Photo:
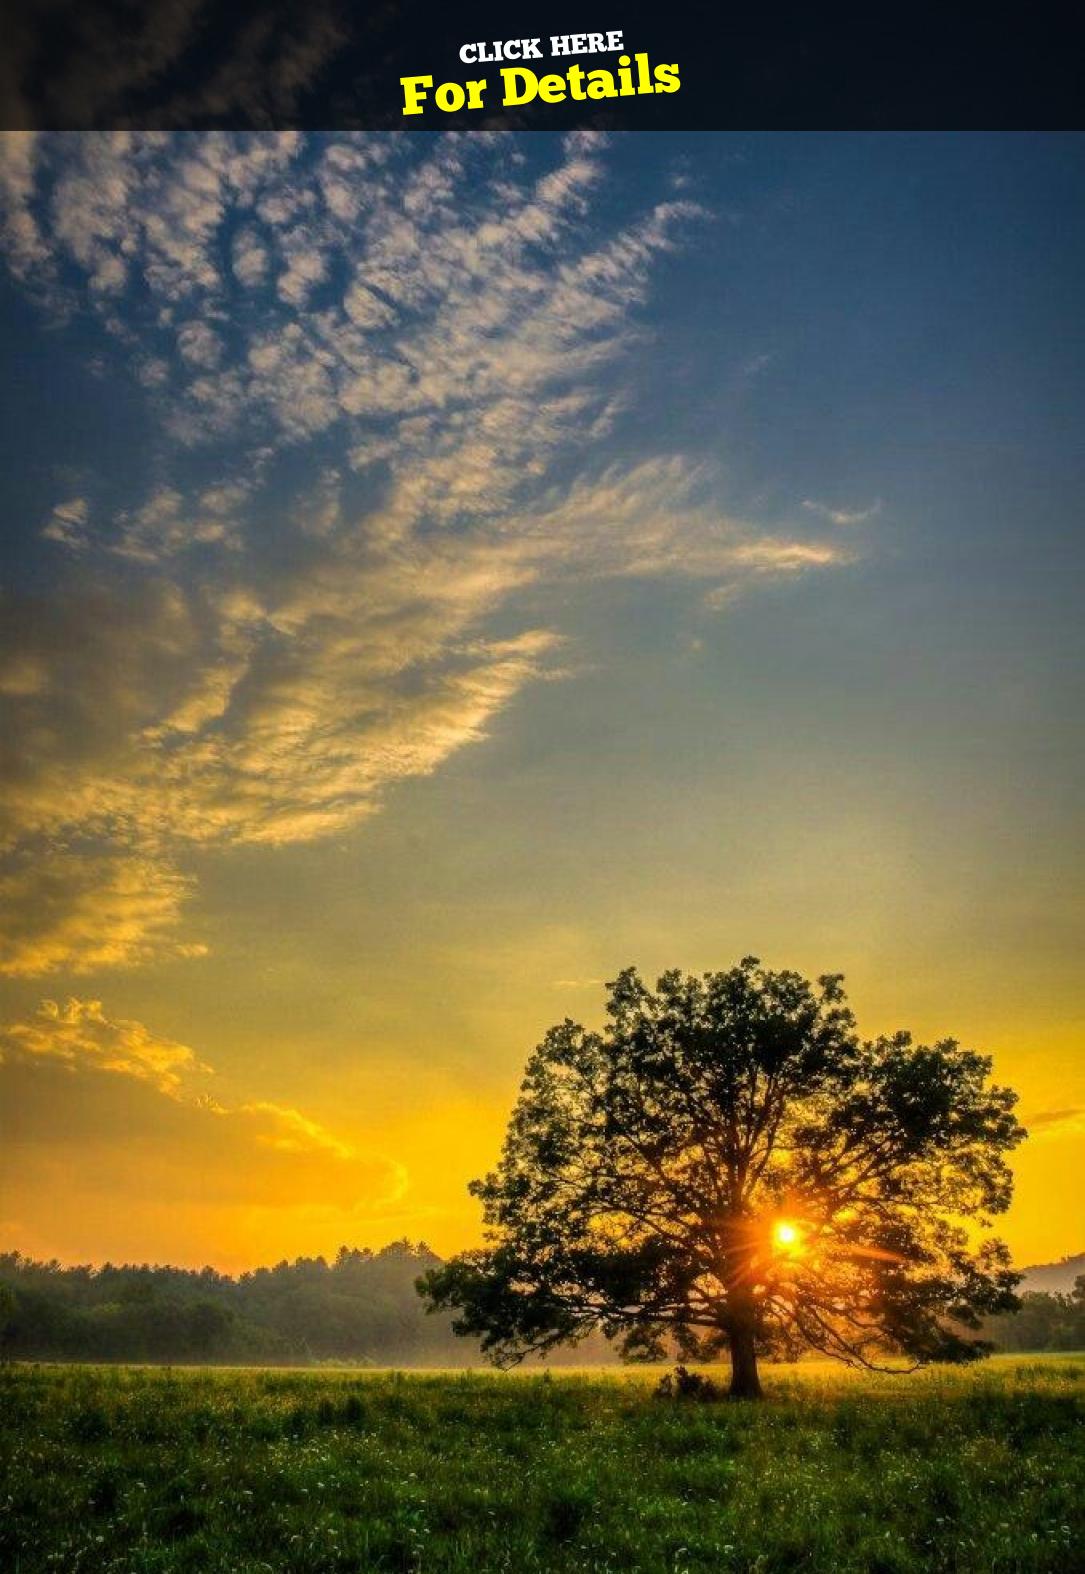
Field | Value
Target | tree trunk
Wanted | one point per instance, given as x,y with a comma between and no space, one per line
745,1383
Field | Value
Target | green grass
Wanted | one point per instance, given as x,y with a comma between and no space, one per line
211,1470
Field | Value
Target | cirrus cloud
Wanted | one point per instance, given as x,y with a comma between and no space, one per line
432,344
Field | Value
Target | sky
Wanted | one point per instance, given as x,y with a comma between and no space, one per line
441,572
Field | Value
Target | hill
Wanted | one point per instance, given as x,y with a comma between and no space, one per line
1054,1277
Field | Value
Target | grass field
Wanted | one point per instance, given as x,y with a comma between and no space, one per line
212,1470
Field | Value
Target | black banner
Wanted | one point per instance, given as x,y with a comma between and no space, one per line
324,64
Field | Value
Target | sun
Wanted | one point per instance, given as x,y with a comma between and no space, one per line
786,1236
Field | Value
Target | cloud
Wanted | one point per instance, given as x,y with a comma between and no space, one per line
289,1131
842,516
1068,1122
24,244
166,524
80,1036
106,1109
67,524
658,519
448,284
63,911
433,344
199,345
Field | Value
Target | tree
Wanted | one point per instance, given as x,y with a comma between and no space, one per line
9,1307
728,1166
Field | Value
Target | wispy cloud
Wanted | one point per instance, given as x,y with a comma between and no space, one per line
1066,1122
127,1111
80,1035
61,910
437,343
67,524
843,516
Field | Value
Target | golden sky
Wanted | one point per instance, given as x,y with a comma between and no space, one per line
444,572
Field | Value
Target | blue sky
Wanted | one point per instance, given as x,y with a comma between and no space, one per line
442,572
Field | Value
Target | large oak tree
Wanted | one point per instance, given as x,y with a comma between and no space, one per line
727,1165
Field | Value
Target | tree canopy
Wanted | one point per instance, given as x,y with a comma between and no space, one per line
728,1165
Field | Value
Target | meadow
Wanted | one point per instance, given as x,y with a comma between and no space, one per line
187,1469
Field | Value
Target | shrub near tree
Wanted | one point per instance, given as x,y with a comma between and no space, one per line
727,1166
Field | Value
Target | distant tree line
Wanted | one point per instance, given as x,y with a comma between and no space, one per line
1047,1320
361,1307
